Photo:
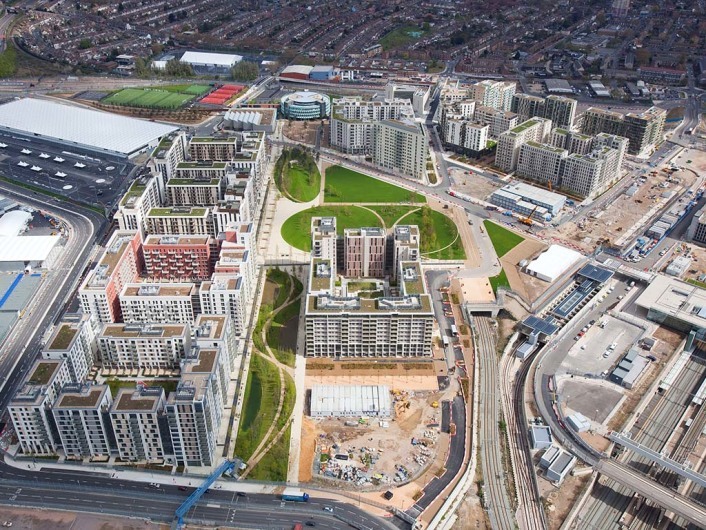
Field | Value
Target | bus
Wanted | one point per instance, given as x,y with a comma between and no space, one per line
454,330
445,340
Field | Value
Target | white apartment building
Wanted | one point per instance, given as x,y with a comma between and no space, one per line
195,409
139,423
401,146
542,163
144,194
324,240
495,94
527,106
30,407
217,331
178,220
226,295
590,174
509,143
76,343
143,346
499,121
119,265
167,303
195,192
80,414
405,242
202,169
573,142
170,151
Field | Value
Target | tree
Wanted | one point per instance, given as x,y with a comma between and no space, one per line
142,68
84,44
176,68
245,71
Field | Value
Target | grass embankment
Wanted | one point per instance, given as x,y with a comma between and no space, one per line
438,234
297,229
8,62
346,185
273,466
503,241
297,176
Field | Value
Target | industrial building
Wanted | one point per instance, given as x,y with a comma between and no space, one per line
540,436
350,401
305,105
81,128
675,304
296,72
251,119
210,62
629,369
523,198
560,466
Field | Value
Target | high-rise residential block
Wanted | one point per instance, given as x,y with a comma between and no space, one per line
324,240
405,246
170,151
364,252
76,343
542,163
179,257
495,94
401,147
159,302
143,195
561,110
180,220
143,346
644,130
509,143
140,424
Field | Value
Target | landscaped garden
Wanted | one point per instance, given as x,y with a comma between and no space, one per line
346,185
297,176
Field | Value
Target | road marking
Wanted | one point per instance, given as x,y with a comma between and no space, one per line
212,505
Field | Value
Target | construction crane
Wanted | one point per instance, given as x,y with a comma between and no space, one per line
227,465
528,220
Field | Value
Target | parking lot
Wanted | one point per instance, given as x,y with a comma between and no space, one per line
601,348
73,172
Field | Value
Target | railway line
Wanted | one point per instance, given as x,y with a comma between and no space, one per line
655,428
530,512
494,489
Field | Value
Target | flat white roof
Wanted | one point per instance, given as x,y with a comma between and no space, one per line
675,298
27,248
211,59
79,126
13,223
554,262
346,400
297,69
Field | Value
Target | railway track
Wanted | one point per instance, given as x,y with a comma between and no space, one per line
494,490
656,427
530,512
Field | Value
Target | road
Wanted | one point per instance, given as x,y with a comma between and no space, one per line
24,342
495,495
90,493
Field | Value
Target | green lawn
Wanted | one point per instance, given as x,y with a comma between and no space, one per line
499,281
436,231
261,402
273,466
148,98
297,229
297,175
503,239
283,353
345,185
401,36
391,214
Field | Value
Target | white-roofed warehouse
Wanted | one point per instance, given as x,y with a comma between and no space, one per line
211,60
549,265
14,223
87,129
350,400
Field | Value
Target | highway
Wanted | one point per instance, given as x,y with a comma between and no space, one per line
99,494
495,494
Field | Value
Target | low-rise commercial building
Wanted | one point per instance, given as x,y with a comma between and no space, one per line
344,401
675,304
305,105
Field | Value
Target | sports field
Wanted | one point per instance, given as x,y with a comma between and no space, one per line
148,98
346,185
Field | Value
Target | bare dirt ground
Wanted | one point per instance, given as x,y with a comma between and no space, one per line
305,131
530,288
409,376
471,515
697,255
33,519
473,185
307,448
562,499
624,213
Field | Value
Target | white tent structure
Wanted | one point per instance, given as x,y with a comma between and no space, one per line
14,223
551,264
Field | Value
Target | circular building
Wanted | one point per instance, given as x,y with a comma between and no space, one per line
305,105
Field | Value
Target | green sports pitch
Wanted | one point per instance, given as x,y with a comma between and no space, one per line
150,98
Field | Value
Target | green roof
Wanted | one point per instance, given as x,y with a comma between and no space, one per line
210,139
169,212
63,337
135,191
43,373
524,125
194,182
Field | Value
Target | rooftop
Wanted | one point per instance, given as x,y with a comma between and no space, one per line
139,399
178,211
150,331
63,337
135,191
158,289
83,397
44,371
194,182
209,165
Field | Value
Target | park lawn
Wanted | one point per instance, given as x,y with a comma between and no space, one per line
390,213
273,466
445,240
499,281
297,229
503,239
401,36
261,402
300,184
346,185
283,352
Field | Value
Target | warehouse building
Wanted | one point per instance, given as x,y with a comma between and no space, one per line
29,252
322,73
553,263
350,401
513,195
296,72
208,62
81,128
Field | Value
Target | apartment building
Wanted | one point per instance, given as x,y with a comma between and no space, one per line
526,106
542,163
405,246
221,149
460,131
195,192
143,346
643,130
495,94
561,111
401,146
119,265
324,240
159,302
590,174
179,257
364,252
76,343
140,424
30,407
180,220
144,194
218,331
399,326
251,159
697,228
499,121
226,294
170,151
352,119
418,96
573,142
195,409
510,142
81,417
